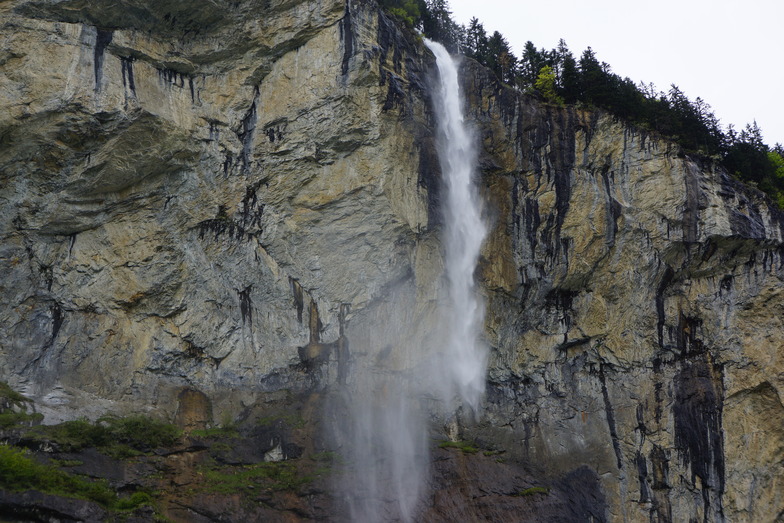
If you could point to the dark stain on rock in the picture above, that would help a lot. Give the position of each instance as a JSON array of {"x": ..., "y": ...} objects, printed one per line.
[
  {"x": 246, "y": 305},
  {"x": 691, "y": 213},
  {"x": 642, "y": 476},
  {"x": 610, "y": 414},
  {"x": 222, "y": 224},
  {"x": 57, "y": 322},
  {"x": 228, "y": 162},
  {"x": 252, "y": 211},
  {"x": 102, "y": 40},
  {"x": 126, "y": 64},
  {"x": 314, "y": 353},
  {"x": 299, "y": 303},
  {"x": 614, "y": 208},
  {"x": 661, "y": 509},
  {"x": 247, "y": 130},
  {"x": 396, "y": 96},
  {"x": 586, "y": 495},
  {"x": 172, "y": 77},
  {"x": 430, "y": 179},
  {"x": 343, "y": 352},
  {"x": 347, "y": 36},
  {"x": 664, "y": 284},
  {"x": 532, "y": 221},
  {"x": 697, "y": 412},
  {"x": 686, "y": 336}
]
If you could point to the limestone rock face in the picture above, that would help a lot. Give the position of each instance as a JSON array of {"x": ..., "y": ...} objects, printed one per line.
[
  {"x": 635, "y": 308},
  {"x": 189, "y": 196},
  {"x": 202, "y": 204}
]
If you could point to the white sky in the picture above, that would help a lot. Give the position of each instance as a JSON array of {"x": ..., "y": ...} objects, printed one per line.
[{"x": 730, "y": 53}]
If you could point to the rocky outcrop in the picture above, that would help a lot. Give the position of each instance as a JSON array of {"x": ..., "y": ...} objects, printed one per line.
[
  {"x": 199, "y": 198},
  {"x": 635, "y": 312},
  {"x": 202, "y": 205}
]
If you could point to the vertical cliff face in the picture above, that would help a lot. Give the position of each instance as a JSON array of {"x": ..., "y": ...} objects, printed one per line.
[
  {"x": 636, "y": 312},
  {"x": 203, "y": 197},
  {"x": 240, "y": 199}
]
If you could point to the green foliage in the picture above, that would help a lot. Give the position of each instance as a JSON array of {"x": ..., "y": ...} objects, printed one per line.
[
  {"x": 13, "y": 409},
  {"x": 136, "y": 500},
  {"x": 11, "y": 397},
  {"x": 535, "y": 490},
  {"x": 545, "y": 84},
  {"x": 20, "y": 472},
  {"x": 224, "y": 431},
  {"x": 409, "y": 11},
  {"x": 777, "y": 161},
  {"x": 463, "y": 446},
  {"x": 280, "y": 475},
  {"x": 141, "y": 432},
  {"x": 114, "y": 436},
  {"x": 10, "y": 419},
  {"x": 560, "y": 78}
]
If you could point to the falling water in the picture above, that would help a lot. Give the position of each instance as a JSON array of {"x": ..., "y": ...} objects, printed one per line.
[
  {"x": 400, "y": 377},
  {"x": 464, "y": 359}
]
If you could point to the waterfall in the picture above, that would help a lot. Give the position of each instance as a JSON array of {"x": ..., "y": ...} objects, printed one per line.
[
  {"x": 416, "y": 368},
  {"x": 463, "y": 360}
]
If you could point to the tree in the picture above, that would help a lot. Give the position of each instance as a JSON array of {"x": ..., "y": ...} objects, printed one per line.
[
  {"x": 501, "y": 60},
  {"x": 545, "y": 84},
  {"x": 531, "y": 63},
  {"x": 410, "y": 11},
  {"x": 476, "y": 41},
  {"x": 437, "y": 24}
]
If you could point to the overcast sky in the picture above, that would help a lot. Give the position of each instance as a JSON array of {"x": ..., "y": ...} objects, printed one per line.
[{"x": 730, "y": 53}]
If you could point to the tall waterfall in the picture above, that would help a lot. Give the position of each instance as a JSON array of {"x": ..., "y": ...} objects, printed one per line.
[
  {"x": 417, "y": 367},
  {"x": 464, "y": 359}
]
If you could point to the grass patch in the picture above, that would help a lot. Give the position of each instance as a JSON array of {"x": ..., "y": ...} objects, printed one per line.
[
  {"x": 464, "y": 446},
  {"x": 20, "y": 472},
  {"x": 116, "y": 437},
  {"x": 251, "y": 479},
  {"x": 535, "y": 490},
  {"x": 293, "y": 421},
  {"x": 224, "y": 431}
]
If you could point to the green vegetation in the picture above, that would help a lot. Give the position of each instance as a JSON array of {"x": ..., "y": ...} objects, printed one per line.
[
  {"x": 224, "y": 431},
  {"x": 252, "y": 479},
  {"x": 294, "y": 421},
  {"x": 114, "y": 436},
  {"x": 19, "y": 472},
  {"x": 10, "y": 397},
  {"x": 463, "y": 446},
  {"x": 545, "y": 84},
  {"x": 10, "y": 419},
  {"x": 560, "y": 78},
  {"x": 535, "y": 490},
  {"x": 13, "y": 409}
]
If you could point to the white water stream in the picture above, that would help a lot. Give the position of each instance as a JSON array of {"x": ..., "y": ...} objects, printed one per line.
[
  {"x": 465, "y": 356},
  {"x": 415, "y": 372}
]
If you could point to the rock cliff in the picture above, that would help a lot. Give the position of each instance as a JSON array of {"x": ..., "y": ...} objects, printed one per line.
[{"x": 203, "y": 206}]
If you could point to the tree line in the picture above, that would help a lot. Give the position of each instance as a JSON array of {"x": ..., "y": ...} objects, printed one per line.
[{"x": 558, "y": 77}]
